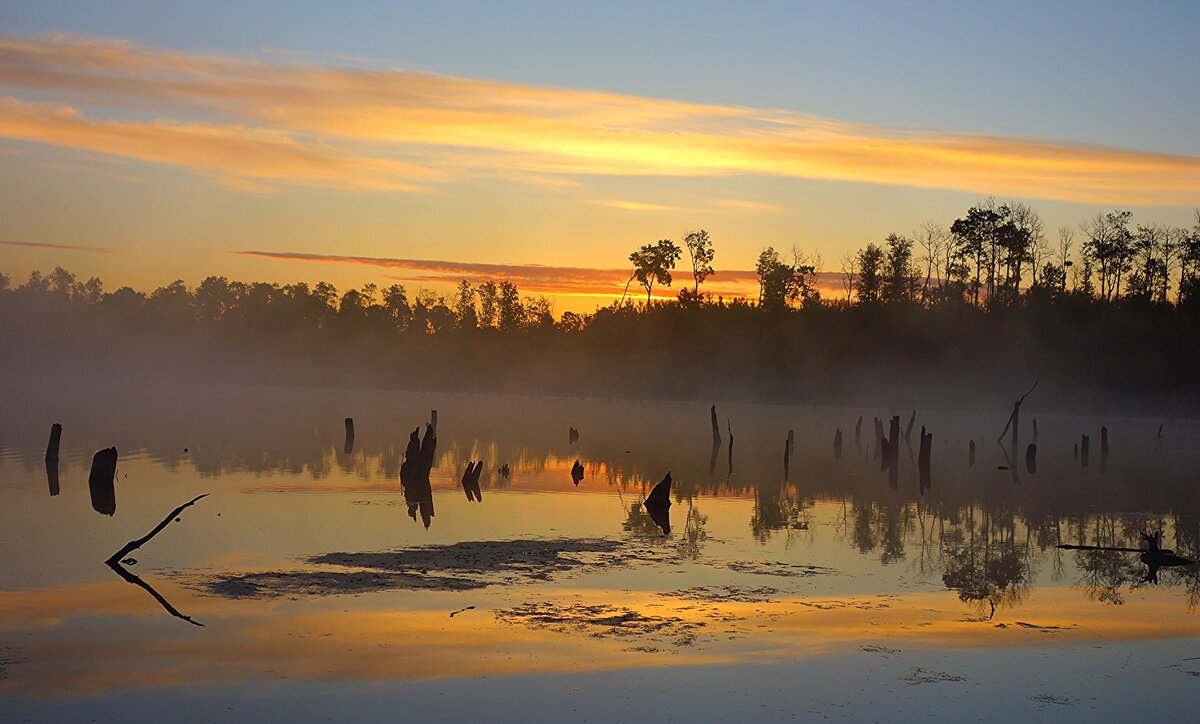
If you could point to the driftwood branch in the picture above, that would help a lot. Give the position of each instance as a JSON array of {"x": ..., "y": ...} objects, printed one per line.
[
  {"x": 114, "y": 562},
  {"x": 133, "y": 545},
  {"x": 131, "y": 578}
]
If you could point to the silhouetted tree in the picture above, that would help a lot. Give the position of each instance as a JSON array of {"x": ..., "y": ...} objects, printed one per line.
[
  {"x": 652, "y": 263},
  {"x": 870, "y": 274},
  {"x": 901, "y": 281},
  {"x": 1110, "y": 245},
  {"x": 700, "y": 251},
  {"x": 487, "y": 304},
  {"x": 464, "y": 306}
]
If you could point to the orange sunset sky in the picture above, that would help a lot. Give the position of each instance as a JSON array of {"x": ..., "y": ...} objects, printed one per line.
[{"x": 142, "y": 152}]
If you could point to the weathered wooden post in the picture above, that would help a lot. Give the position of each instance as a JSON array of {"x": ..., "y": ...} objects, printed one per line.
[
  {"x": 1084, "y": 450},
  {"x": 971, "y": 454},
  {"x": 349, "y": 447},
  {"x": 1031, "y": 458}
]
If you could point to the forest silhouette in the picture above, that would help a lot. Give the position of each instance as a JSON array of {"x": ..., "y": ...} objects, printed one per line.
[{"x": 1107, "y": 315}]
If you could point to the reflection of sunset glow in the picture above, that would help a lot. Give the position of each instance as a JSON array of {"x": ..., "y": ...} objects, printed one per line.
[
  {"x": 313, "y": 638},
  {"x": 446, "y": 122}
]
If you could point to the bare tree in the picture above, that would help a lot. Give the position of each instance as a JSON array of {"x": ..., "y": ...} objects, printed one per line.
[
  {"x": 933, "y": 238},
  {"x": 1066, "y": 239},
  {"x": 849, "y": 274}
]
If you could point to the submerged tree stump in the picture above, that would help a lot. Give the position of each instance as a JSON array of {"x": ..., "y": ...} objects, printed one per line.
[
  {"x": 1084, "y": 451},
  {"x": 1031, "y": 458},
  {"x": 101, "y": 481},
  {"x": 52, "y": 458},
  {"x": 349, "y": 447}
]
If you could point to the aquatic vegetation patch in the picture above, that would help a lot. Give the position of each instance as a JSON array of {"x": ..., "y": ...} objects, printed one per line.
[
  {"x": 924, "y": 676},
  {"x": 716, "y": 594},
  {"x": 602, "y": 621},
  {"x": 455, "y": 567}
]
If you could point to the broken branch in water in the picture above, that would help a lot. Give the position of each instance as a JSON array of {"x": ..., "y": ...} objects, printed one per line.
[
  {"x": 114, "y": 561},
  {"x": 1014, "y": 418},
  {"x": 133, "y": 545}
]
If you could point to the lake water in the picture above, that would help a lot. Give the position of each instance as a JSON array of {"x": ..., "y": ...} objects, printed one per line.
[{"x": 826, "y": 590}]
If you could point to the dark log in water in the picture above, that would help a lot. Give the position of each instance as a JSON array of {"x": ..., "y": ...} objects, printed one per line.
[
  {"x": 858, "y": 435},
  {"x": 837, "y": 444},
  {"x": 716, "y": 428},
  {"x": 470, "y": 481},
  {"x": 414, "y": 473},
  {"x": 349, "y": 447},
  {"x": 101, "y": 481},
  {"x": 1085, "y": 446},
  {"x": 52, "y": 458},
  {"x": 658, "y": 504},
  {"x": 1031, "y": 458},
  {"x": 971, "y": 454}
]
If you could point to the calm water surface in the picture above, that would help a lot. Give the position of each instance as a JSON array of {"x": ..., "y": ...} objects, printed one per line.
[{"x": 819, "y": 591}]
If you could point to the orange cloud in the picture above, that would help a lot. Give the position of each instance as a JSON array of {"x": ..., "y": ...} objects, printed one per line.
[
  {"x": 541, "y": 279},
  {"x": 238, "y": 155},
  {"x": 260, "y": 108}
]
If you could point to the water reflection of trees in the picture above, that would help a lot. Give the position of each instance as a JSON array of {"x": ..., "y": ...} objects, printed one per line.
[
  {"x": 778, "y": 508},
  {"x": 980, "y": 532}
]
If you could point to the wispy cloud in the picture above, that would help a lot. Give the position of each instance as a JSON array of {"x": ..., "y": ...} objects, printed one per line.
[
  {"x": 624, "y": 205},
  {"x": 58, "y": 247},
  {"x": 276, "y": 120},
  {"x": 235, "y": 154},
  {"x": 744, "y": 205}
]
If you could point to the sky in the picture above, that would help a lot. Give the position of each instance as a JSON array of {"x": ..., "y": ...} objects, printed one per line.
[{"x": 422, "y": 143}]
